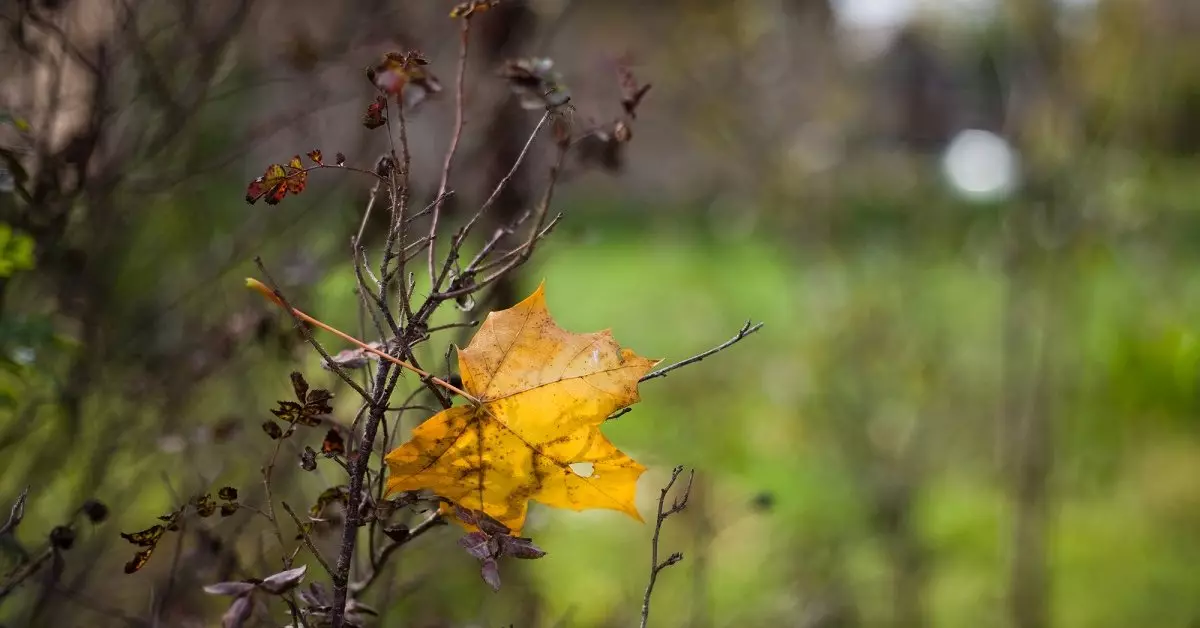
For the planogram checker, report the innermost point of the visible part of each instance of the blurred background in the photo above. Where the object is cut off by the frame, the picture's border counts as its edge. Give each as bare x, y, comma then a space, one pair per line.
967, 224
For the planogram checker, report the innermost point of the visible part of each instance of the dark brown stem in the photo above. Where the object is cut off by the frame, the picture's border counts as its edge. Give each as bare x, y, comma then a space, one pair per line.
656, 566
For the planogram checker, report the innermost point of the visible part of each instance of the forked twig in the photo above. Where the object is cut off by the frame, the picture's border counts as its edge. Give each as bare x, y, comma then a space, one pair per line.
678, 505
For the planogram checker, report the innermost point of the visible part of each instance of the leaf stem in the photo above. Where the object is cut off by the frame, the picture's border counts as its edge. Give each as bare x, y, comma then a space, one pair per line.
383, 355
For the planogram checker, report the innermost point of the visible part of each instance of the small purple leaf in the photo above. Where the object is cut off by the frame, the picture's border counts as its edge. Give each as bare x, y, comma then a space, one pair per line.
490, 525
491, 573
477, 544
239, 612
229, 588
520, 547
465, 515
283, 581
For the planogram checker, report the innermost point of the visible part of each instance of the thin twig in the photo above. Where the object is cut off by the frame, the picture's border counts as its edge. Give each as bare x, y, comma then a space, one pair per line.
16, 514
275, 296
329, 361
746, 330
24, 572
459, 111
655, 567
428, 524
308, 542
269, 510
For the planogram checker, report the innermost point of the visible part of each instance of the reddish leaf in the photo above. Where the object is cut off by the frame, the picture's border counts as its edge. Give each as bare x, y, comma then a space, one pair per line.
405, 75
376, 115
315, 155
297, 176
333, 445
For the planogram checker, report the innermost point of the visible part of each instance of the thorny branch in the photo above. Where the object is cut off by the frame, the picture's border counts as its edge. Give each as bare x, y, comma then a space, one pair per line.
655, 566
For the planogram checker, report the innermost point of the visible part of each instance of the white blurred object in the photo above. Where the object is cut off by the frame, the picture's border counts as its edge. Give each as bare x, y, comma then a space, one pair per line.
981, 165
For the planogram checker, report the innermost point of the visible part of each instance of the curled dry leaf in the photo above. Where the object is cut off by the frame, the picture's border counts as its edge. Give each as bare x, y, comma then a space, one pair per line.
283, 581
543, 393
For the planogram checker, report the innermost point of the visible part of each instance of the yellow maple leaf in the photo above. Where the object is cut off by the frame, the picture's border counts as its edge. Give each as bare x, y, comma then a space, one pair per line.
543, 393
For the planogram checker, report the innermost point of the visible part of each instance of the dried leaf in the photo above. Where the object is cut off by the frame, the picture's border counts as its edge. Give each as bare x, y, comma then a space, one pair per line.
204, 505
228, 493
536, 83
299, 385
376, 114
333, 445
312, 408
519, 547
297, 175
283, 581
139, 560
273, 430
308, 459
491, 573
273, 185
543, 392
405, 75
229, 588
146, 538
354, 358
477, 544
239, 612
315, 156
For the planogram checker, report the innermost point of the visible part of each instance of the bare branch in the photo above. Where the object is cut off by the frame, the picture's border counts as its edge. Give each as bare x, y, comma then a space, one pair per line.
459, 111
308, 542
655, 566
746, 330
428, 524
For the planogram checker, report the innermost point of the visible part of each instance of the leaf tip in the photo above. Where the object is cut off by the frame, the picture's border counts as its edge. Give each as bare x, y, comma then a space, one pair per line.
263, 289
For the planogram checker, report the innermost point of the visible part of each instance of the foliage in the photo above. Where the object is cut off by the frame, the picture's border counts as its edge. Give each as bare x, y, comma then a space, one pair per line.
541, 394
